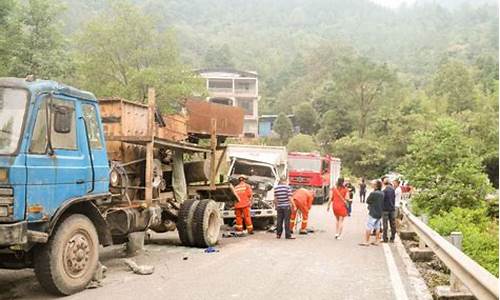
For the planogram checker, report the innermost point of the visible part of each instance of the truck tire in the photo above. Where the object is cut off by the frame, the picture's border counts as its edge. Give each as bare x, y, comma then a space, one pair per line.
67, 262
206, 224
184, 221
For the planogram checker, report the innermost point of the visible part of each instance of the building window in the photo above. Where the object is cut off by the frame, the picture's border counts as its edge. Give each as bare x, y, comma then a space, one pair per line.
220, 85
247, 105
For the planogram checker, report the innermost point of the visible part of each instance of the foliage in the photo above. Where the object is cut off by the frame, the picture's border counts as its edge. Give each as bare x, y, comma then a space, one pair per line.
32, 41
121, 52
283, 127
305, 117
442, 164
480, 234
219, 57
454, 83
362, 157
302, 143
364, 83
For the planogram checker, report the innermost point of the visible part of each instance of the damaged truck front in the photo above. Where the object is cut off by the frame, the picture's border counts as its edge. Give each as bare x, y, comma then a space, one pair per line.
76, 173
264, 166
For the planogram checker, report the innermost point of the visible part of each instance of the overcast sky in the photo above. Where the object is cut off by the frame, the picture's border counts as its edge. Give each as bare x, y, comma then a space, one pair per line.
392, 3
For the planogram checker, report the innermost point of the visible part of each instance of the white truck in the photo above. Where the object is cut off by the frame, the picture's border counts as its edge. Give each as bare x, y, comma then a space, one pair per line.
264, 166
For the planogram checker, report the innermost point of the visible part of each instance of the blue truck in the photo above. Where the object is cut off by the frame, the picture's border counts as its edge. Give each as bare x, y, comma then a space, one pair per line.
64, 191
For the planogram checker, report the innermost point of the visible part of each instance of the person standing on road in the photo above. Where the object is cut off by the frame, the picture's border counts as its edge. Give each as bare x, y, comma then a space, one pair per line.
362, 191
284, 203
397, 203
242, 208
375, 203
389, 213
303, 199
352, 191
338, 197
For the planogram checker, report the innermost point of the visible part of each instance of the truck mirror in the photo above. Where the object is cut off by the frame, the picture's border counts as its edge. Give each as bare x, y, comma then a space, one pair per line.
269, 187
62, 118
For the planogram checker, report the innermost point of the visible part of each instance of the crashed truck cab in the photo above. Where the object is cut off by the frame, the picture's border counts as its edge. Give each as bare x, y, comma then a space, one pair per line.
44, 157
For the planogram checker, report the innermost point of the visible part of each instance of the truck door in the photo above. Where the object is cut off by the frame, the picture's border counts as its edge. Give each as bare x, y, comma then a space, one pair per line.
57, 168
97, 160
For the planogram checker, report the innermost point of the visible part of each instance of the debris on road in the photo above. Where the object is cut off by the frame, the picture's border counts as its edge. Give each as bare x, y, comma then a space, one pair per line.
232, 234
99, 275
211, 250
141, 270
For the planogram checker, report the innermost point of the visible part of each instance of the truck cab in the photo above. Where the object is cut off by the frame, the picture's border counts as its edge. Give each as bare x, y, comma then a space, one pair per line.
264, 166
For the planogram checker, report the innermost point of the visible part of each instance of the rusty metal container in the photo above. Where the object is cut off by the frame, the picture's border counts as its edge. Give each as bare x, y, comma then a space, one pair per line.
125, 119
229, 118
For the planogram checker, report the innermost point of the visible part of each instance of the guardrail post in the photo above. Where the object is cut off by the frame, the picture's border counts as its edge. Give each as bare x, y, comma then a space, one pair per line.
455, 284
421, 243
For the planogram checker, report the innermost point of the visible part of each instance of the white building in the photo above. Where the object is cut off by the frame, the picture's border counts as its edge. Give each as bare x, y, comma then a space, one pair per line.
236, 88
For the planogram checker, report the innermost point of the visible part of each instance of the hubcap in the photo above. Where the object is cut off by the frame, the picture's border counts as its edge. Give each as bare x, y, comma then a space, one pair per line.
77, 254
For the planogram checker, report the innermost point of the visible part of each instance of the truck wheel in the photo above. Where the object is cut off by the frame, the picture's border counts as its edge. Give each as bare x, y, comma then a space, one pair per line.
184, 221
206, 224
67, 262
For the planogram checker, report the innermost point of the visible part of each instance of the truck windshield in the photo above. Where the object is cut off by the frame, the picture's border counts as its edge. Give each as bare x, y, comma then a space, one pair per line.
304, 164
12, 107
252, 170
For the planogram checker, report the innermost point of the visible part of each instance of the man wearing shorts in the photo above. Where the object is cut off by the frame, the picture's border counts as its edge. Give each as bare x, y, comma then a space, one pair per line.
375, 203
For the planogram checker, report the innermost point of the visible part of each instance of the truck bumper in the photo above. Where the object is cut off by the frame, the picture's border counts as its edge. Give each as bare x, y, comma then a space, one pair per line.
13, 234
254, 213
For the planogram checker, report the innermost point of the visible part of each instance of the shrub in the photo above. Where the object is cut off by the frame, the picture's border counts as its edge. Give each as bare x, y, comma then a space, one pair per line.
480, 234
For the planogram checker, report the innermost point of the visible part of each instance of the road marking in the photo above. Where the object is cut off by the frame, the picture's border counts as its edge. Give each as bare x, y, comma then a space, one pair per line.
397, 284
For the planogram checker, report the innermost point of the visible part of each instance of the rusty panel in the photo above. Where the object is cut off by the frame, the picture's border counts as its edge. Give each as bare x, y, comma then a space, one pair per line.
125, 119
122, 118
229, 118
175, 129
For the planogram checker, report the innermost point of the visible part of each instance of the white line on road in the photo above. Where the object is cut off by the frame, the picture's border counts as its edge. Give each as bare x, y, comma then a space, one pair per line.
397, 284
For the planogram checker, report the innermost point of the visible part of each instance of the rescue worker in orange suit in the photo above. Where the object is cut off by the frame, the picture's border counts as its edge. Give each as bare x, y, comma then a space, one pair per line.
303, 200
242, 208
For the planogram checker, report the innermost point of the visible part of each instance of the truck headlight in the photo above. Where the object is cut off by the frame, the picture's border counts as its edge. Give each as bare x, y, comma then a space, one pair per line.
4, 175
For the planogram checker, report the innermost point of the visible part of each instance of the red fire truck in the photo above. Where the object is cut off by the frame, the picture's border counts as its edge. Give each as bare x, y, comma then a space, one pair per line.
311, 170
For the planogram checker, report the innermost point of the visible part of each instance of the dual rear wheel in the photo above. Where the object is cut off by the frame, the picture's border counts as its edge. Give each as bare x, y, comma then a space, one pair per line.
199, 223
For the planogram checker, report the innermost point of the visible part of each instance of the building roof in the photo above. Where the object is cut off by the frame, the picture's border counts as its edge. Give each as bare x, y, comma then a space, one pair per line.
227, 72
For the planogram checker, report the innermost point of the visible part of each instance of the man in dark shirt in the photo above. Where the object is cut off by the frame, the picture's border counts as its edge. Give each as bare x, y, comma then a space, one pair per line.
362, 191
389, 213
375, 203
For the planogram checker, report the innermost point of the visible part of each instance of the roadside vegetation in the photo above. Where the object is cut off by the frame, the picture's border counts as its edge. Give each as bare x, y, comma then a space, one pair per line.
413, 90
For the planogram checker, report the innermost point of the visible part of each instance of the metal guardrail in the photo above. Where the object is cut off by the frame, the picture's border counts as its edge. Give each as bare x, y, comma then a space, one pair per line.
481, 283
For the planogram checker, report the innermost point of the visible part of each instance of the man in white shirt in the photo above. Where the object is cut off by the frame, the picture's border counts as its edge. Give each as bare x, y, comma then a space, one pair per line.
397, 203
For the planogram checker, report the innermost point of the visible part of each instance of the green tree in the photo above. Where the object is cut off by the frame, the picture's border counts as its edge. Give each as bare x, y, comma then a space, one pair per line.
40, 47
302, 143
441, 162
363, 157
306, 117
121, 52
453, 82
9, 31
335, 124
219, 57
283, 127
364, 83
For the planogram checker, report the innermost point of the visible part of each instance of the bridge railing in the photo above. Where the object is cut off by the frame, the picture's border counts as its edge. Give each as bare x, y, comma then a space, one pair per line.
481, 283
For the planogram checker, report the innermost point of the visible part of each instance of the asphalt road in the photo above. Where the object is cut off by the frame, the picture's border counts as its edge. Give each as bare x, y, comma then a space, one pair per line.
315, 266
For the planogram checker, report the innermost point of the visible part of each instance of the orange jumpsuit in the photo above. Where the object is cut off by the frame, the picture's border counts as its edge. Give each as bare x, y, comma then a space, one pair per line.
242, 207
303, 200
